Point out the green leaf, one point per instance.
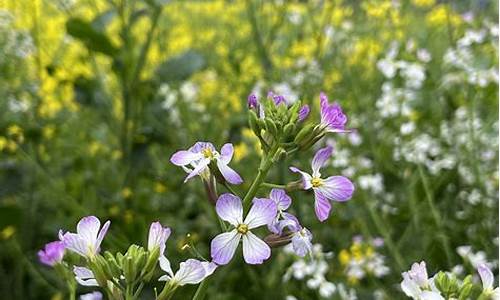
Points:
(180, 67)
(93, 39)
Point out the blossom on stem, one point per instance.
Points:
(87, 239)
(230, 209)
(416, 284)
(85, 276)
(300, 236)
(191, 271)
(52, 253)
(158, 236)
(336, 188)
(487, 278)
(333, 118)
(91, 296)
(252, 101)
(196, 160)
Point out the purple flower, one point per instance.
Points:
(158, 236)
(195, 161)
(91, 296)
(304, 112)
(252, 101)
(192, 271)
(283, 202)
(332, 117)
(230, 209)
(278, 99)
(85, 276)
(52, 253)
(336, 188)
(487, 278)
(87, 239)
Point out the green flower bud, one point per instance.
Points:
(304, 134)
(271, 127)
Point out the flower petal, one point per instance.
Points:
(190, 271)
(223, 246)
(88, 228)
(165, 265)
(280, 197)
(262, 212)
(75, 243)
(320, 159)
(229, 208)
(183, 157)
(306, 178)
(229, 174)
(202, 164)
(322, 206)
(84, 276)
(428, 295)
(486, 275)
(209, 267)
(255, 250)
(101, 235)
(158, 236)
(226, 153)
(337, 188)
(301, 242)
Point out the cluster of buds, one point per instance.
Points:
(282, 130)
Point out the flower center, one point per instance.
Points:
(242, 228)
(207, 153)
(316, 182)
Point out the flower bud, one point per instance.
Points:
(304, 112)
(252, 101)
(304, 134)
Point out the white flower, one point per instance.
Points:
(191, 271)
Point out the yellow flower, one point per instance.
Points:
(14, 130)
(8, 232)
(3, 143)
(423, 3)
(441, 15)
(377, 9)
(160, 188)
(344, 257)
(48, 131)
(126, 192)
(240, 151)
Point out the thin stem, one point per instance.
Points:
(201, 290)
(273, 185)
(435, 215)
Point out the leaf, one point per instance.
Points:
(180, 67)
(92, 38)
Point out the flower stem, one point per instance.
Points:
(201, 290)
(436, 216)
(264, 167)
(273, 185)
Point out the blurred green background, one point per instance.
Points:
(96, 95)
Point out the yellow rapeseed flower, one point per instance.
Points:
(423, 3)
(8, 232)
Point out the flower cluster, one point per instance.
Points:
(417, 285)
(282, 129)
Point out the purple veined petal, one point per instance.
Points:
(209, 267)
(320, 159)
(255, 250)
(203, 163)
(223, 246)
(306, 178)
(229, 208)
(101, 235)
(274, 226)
(84, 276)
(183, 157)
(291, 222)
(262, 212)
(486, 275)
(418, 273)
(323, 102)
(165, 266)
(91, 296)
(60, 234)
(158, 236)
(303, 112)
(226, 153)
(88, 229)
(337, 188)
(190, 271)
(76, 243)
(229, 174)
(322, 206)
(281, 199)
(301, 242)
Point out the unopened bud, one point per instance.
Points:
(275, 240)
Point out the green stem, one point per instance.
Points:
(273, 185)
(264, 167)
(436, 216)
(201, 290)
